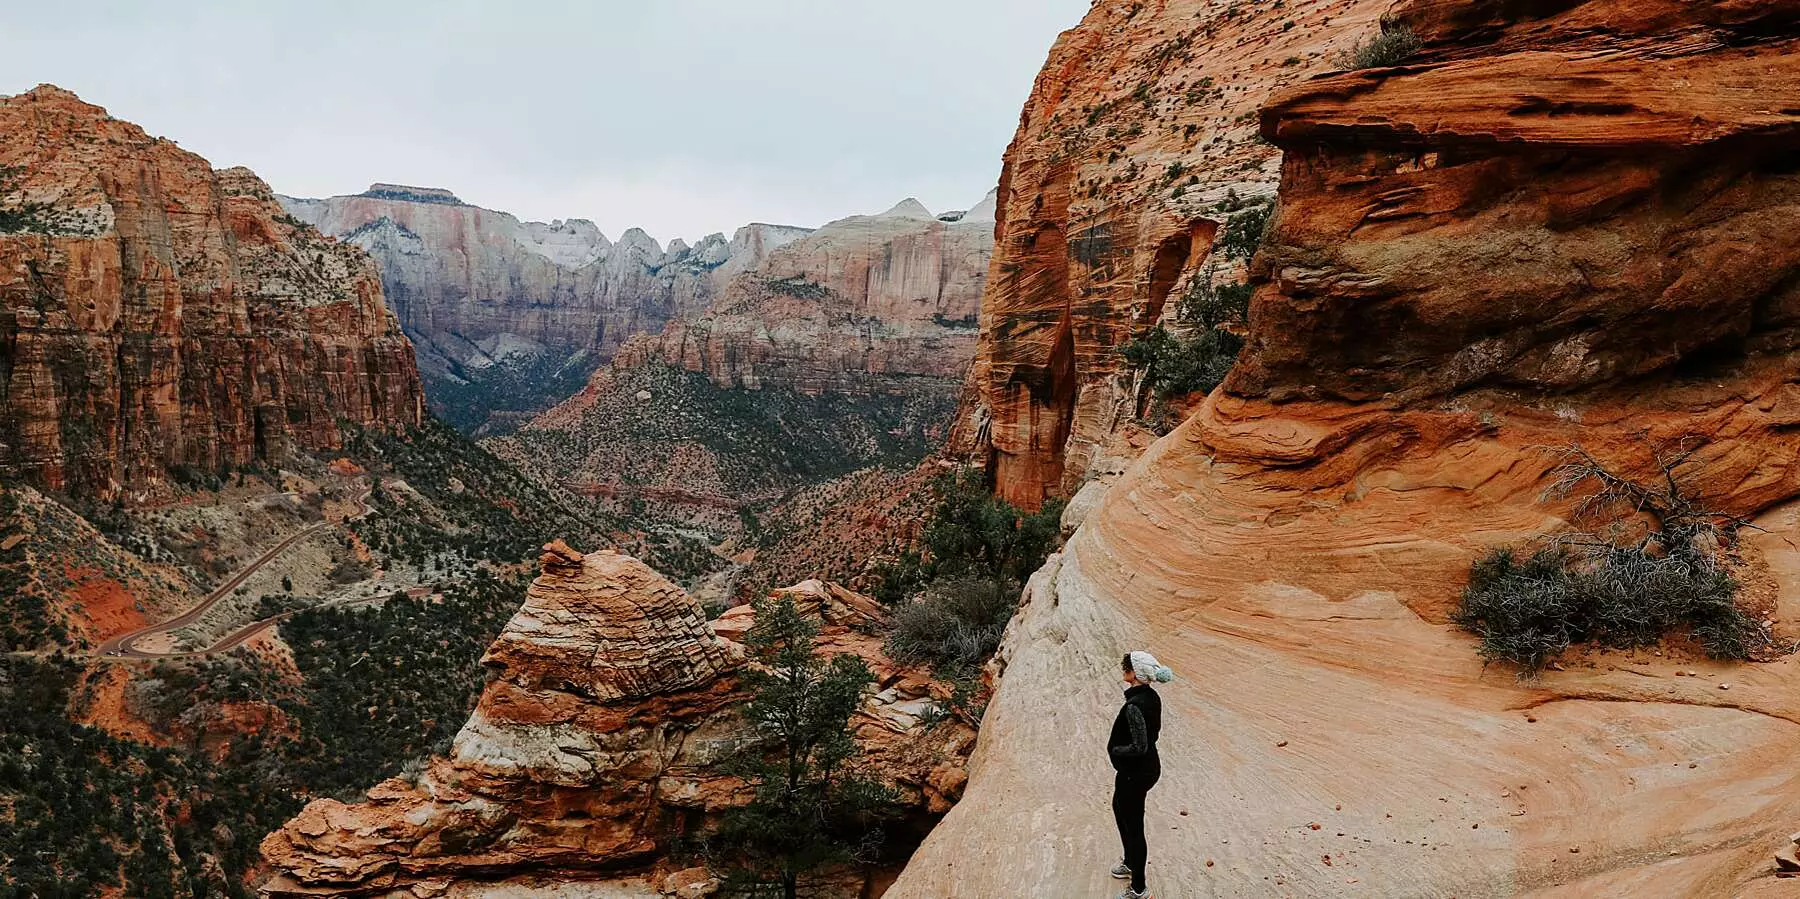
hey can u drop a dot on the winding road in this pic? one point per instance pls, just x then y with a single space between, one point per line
124 645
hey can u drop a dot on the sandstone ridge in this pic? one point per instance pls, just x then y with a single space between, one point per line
1502 245
1137 143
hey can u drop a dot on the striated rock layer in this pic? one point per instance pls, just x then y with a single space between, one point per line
858 306
1558 223
475 287
598 739
158 314
506 311
1138 140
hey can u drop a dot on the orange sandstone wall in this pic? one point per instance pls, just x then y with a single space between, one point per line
1141 124
157 313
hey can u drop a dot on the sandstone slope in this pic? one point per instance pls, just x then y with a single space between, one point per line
1558 223
1138 140
157 314
597 741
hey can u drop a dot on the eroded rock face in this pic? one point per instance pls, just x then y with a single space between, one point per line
598 739
477 288
1515 240
156 313
856 307
1138 140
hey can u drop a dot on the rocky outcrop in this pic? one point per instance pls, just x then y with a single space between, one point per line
157 314
856 307
1137 142
597 740
1517 239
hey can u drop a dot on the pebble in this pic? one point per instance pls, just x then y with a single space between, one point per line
1280 744
1724 686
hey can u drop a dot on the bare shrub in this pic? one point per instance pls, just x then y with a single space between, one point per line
1610 585
1389 47
955 624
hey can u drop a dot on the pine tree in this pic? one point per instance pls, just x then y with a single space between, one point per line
812 808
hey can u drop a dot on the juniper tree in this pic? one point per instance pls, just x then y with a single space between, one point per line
812 809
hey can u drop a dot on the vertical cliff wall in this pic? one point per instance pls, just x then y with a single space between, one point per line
865 304
1137 141
1558 223
473 285
155 313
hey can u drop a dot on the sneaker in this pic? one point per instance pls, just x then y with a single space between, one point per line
1133 894
1121 871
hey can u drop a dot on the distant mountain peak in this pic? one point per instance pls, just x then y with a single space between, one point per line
909 208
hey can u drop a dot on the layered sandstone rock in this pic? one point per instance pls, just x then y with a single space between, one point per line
598 739
157 314
1138 140
1516 240
855 307
477 288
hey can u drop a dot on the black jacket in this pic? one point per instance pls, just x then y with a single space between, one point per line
1132 744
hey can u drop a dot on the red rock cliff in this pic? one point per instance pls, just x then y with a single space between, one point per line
157 313
1137 137
1559 222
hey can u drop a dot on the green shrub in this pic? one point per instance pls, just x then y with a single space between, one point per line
955 624
1390 47
1530 610
1177 365
1610 585
1243 231
971 532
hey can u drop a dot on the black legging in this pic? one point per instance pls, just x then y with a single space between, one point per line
1129 790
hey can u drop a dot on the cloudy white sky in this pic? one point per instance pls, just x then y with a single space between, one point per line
679 116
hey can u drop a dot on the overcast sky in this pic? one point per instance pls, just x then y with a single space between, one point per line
679 116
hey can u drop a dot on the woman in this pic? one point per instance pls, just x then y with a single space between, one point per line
1132 747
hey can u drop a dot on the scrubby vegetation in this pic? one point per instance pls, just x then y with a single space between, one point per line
27 619
1176 365
955 624
1194 352
797 286
462 500
83 813
388 685
20 215
1392 45
954 594
1631 584
812 808
500 398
